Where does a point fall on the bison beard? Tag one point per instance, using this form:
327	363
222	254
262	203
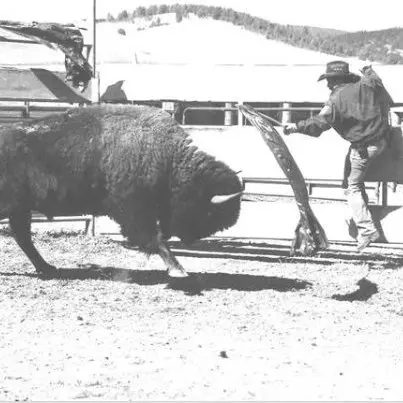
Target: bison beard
134	164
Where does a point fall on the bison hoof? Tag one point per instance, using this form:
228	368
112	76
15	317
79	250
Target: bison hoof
177	273
47	270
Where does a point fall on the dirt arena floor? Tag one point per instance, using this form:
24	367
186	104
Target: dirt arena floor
251	323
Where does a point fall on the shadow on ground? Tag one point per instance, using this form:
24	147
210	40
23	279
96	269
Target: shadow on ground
365	291
262	251
274	253
194	284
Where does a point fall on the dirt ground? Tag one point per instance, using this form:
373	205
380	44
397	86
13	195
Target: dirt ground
251	323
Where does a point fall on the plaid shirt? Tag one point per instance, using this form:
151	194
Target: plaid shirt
359	111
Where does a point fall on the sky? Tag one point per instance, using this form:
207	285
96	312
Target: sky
347	15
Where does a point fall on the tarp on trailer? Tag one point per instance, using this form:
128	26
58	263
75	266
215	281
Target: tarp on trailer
66	38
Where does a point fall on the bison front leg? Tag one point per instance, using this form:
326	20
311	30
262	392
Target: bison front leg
174	268
20	224
138	220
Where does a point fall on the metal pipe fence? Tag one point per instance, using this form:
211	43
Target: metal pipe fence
12	112
28	107
311	110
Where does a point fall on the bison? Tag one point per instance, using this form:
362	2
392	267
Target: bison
134	164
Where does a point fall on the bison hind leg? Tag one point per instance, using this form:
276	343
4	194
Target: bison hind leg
20	224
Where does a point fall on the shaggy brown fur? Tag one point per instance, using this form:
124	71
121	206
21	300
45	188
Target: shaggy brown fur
135	164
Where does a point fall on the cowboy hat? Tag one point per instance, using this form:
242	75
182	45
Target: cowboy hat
338	68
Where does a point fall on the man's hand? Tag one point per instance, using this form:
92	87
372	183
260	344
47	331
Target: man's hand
365	68
290	128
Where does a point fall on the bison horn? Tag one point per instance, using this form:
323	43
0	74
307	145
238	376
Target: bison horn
220	199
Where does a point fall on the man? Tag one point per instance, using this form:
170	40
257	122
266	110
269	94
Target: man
358	109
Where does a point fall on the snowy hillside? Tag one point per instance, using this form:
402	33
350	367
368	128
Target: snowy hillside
193	41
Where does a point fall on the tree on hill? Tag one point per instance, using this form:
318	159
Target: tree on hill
123	16
178	16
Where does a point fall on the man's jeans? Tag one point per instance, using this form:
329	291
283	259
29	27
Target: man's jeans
357	198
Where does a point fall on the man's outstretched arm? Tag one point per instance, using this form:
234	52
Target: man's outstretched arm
313	126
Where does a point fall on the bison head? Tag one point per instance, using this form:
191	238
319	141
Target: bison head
206	199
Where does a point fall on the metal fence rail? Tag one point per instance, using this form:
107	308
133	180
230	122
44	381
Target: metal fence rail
39	218
224	109
23	112
376	187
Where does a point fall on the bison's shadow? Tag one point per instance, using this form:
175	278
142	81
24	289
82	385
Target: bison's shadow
194	284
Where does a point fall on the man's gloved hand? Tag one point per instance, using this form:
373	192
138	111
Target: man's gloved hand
365	68
290	128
